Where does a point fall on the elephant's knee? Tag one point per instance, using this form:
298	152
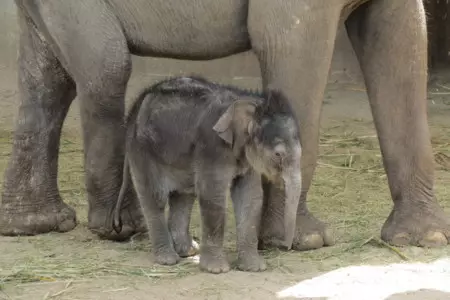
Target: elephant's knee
102	107
107	74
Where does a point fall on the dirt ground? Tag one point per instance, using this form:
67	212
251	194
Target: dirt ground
349	192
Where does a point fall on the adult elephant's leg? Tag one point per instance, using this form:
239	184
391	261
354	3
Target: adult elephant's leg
390	40
97	56
31	203
294	42
102	112
102	108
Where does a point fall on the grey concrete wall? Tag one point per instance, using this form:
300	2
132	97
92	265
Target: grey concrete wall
344	66
8	34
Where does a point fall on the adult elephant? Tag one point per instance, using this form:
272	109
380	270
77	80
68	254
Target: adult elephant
83	48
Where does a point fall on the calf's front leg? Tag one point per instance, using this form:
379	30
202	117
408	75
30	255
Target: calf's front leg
246	194
212	184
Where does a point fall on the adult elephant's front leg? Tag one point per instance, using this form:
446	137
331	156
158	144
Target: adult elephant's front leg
294	42
390	40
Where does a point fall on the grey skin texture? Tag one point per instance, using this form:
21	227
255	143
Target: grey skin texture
83	48
187	138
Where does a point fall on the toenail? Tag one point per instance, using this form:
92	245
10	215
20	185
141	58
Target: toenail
312	241
328	238
401	239
433	239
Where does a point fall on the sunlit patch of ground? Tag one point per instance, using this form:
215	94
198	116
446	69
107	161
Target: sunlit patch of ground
374	282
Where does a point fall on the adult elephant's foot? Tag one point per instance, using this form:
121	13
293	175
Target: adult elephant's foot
166	256
311	233
424	225
213	261
251	261
37	219
100	222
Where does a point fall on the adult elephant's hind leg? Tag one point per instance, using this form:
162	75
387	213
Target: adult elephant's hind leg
31	203
102	102
102	112
390	40
294	43
100	63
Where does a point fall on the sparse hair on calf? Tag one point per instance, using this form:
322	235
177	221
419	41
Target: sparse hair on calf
190	136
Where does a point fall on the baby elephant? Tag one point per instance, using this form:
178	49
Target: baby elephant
188	138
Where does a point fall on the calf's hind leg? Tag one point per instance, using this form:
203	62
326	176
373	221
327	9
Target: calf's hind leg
390	41
31	203
180	209
153	198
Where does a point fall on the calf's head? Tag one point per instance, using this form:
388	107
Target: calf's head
266	133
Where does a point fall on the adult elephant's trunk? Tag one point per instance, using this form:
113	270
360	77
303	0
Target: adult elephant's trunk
292	189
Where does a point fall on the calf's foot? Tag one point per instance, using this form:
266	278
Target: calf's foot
57	217
424	225
185	246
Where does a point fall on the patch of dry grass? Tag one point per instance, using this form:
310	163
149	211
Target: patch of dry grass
349	192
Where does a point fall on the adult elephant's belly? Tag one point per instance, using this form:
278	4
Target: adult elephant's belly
184	29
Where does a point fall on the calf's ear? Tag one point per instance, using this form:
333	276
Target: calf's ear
232	125
223	126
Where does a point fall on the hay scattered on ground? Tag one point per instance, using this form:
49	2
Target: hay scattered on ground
63	270
349	192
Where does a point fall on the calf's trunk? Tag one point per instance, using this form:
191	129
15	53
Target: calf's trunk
292	190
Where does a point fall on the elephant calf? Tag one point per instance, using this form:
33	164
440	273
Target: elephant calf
188	137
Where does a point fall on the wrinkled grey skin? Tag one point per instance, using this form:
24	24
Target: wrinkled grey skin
188	137
83	48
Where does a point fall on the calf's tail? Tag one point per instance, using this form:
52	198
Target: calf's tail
117	220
